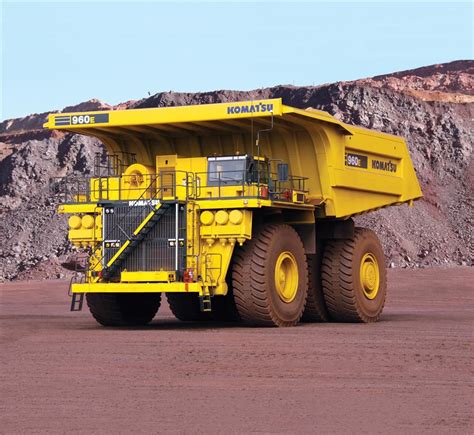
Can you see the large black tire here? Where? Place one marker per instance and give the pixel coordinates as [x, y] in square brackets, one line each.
[315, 310]
[123, 309]
[185, 307]
[262, 296]
[224, 309]
[353, 290]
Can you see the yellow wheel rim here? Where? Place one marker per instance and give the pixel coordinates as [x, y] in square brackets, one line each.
[286, 277]
[369, 275]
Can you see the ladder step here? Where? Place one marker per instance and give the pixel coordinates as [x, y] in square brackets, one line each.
[77, 301]
[205, 303]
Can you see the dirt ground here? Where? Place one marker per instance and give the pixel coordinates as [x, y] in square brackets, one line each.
[412, 372]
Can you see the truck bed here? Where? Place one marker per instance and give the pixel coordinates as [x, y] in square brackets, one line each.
[350, 170]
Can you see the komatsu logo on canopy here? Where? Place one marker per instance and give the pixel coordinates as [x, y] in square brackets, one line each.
[250, 108]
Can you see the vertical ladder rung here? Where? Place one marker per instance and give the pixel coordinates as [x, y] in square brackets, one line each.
[77, 301]
[205, 303]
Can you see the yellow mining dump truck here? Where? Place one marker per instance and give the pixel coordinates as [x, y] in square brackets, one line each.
[237, 211]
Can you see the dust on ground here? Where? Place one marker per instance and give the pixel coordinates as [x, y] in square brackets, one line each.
[411, 372]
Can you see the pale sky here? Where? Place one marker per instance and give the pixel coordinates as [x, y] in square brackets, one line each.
[56, 54]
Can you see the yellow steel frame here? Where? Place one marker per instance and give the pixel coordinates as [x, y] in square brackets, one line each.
[350, 171]
[78, 208]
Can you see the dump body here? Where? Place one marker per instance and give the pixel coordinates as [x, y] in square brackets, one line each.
[350, 170]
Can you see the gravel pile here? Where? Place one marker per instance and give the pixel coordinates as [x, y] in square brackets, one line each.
[30, 230]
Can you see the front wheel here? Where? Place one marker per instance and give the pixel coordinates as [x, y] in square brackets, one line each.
[185, 307]
[354, 278]
[123, 309]
[270, 278]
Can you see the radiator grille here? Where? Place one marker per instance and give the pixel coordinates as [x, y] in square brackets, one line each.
[157, 250]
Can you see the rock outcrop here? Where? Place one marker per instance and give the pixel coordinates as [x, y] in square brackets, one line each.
[432, 107]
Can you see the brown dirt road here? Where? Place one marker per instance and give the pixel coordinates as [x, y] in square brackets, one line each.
[412, 372]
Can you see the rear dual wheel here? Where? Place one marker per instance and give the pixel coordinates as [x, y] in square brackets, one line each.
[315, 310]
[354, 278]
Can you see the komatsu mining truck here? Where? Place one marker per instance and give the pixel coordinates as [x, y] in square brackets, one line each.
[236, 211]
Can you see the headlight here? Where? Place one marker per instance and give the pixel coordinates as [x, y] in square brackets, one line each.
[207, 217]
[88, 221]
[74, 222]
[236, 217]
[222, 217]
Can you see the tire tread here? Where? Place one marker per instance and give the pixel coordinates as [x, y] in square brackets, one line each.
[337, 276]
[249, 279]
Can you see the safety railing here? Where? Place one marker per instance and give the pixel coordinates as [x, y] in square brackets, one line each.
[245, 184]
[177, 184]
[281, 190]
[74, 189]
[108, 165]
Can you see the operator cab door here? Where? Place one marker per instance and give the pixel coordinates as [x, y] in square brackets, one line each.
[166, 170]
[258, 171]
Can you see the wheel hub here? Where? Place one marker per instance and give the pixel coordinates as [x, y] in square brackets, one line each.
[369, 275]
[286, 277]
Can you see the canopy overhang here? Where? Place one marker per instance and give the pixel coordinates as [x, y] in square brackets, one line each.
[205, 119]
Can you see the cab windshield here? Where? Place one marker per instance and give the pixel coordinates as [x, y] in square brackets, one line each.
[226, 171]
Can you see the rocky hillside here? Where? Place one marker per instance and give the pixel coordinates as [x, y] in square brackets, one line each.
[432, 107]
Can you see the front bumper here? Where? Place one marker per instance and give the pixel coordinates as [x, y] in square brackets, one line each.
[139, 287]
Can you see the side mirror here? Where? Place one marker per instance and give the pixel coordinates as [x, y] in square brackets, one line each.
[282, 171]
